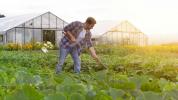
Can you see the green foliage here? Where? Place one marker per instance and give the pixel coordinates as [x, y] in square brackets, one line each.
[171, 95]
[116, 93]
[132, 74]
[76, 96]
[151, 86]
[25, 93]
[102, 96]
[57, 96]
[149, 96]
[1, 47]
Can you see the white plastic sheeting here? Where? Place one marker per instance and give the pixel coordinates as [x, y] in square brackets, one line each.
[30, 27]
[102, 27]
[7, 23]
[118, 32]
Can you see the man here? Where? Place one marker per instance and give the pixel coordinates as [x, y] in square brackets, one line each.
[76, 36]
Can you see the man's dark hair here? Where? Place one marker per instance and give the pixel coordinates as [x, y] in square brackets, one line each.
[91, 20]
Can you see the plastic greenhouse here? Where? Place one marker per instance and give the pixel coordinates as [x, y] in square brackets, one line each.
[123, 34]
[31, 28]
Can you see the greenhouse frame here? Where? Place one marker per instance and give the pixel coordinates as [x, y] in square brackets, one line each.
[31, 28]
[120, 34]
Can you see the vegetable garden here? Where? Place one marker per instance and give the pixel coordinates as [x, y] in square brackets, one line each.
[134, 73]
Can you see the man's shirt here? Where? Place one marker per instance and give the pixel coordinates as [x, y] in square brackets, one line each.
[76, 28]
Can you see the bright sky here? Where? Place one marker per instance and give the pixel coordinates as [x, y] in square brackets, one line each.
[156, 18]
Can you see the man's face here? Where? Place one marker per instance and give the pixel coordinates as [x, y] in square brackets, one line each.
[89, 26]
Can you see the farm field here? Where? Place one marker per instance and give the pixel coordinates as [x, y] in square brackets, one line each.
[134, 73]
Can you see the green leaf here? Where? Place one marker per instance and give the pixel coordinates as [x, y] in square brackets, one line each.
[138, 80]
[125, 85]
[72, 88]
[58, 96]
[151, 86]
[102, 97]
[3, 78]
[76, 96]
[101, 75]
[170, 86]
[90, 95]
[149, 96]
[171, 94]
[26, 93]
[23, 77]
[37, 80]
[116, 93]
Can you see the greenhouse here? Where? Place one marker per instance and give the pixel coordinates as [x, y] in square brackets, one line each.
[31, 28]
[123, 34]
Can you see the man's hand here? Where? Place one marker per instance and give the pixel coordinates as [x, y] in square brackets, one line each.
[72, 40]
[93, 54]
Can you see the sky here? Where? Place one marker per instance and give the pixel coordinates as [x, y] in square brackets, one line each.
[158, 19]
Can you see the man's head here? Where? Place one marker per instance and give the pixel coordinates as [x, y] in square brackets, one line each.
[89, 23]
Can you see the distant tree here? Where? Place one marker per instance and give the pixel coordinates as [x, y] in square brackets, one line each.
[1, 15]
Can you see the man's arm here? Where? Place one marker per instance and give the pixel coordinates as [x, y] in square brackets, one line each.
[70, 36]
[93, 54]
[90, 45]
[69, 29]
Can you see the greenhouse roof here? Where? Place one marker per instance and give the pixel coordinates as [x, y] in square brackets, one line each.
[7, 23]
[102, 27]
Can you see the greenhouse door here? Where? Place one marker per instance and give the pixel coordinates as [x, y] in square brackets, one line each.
[49, 35]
